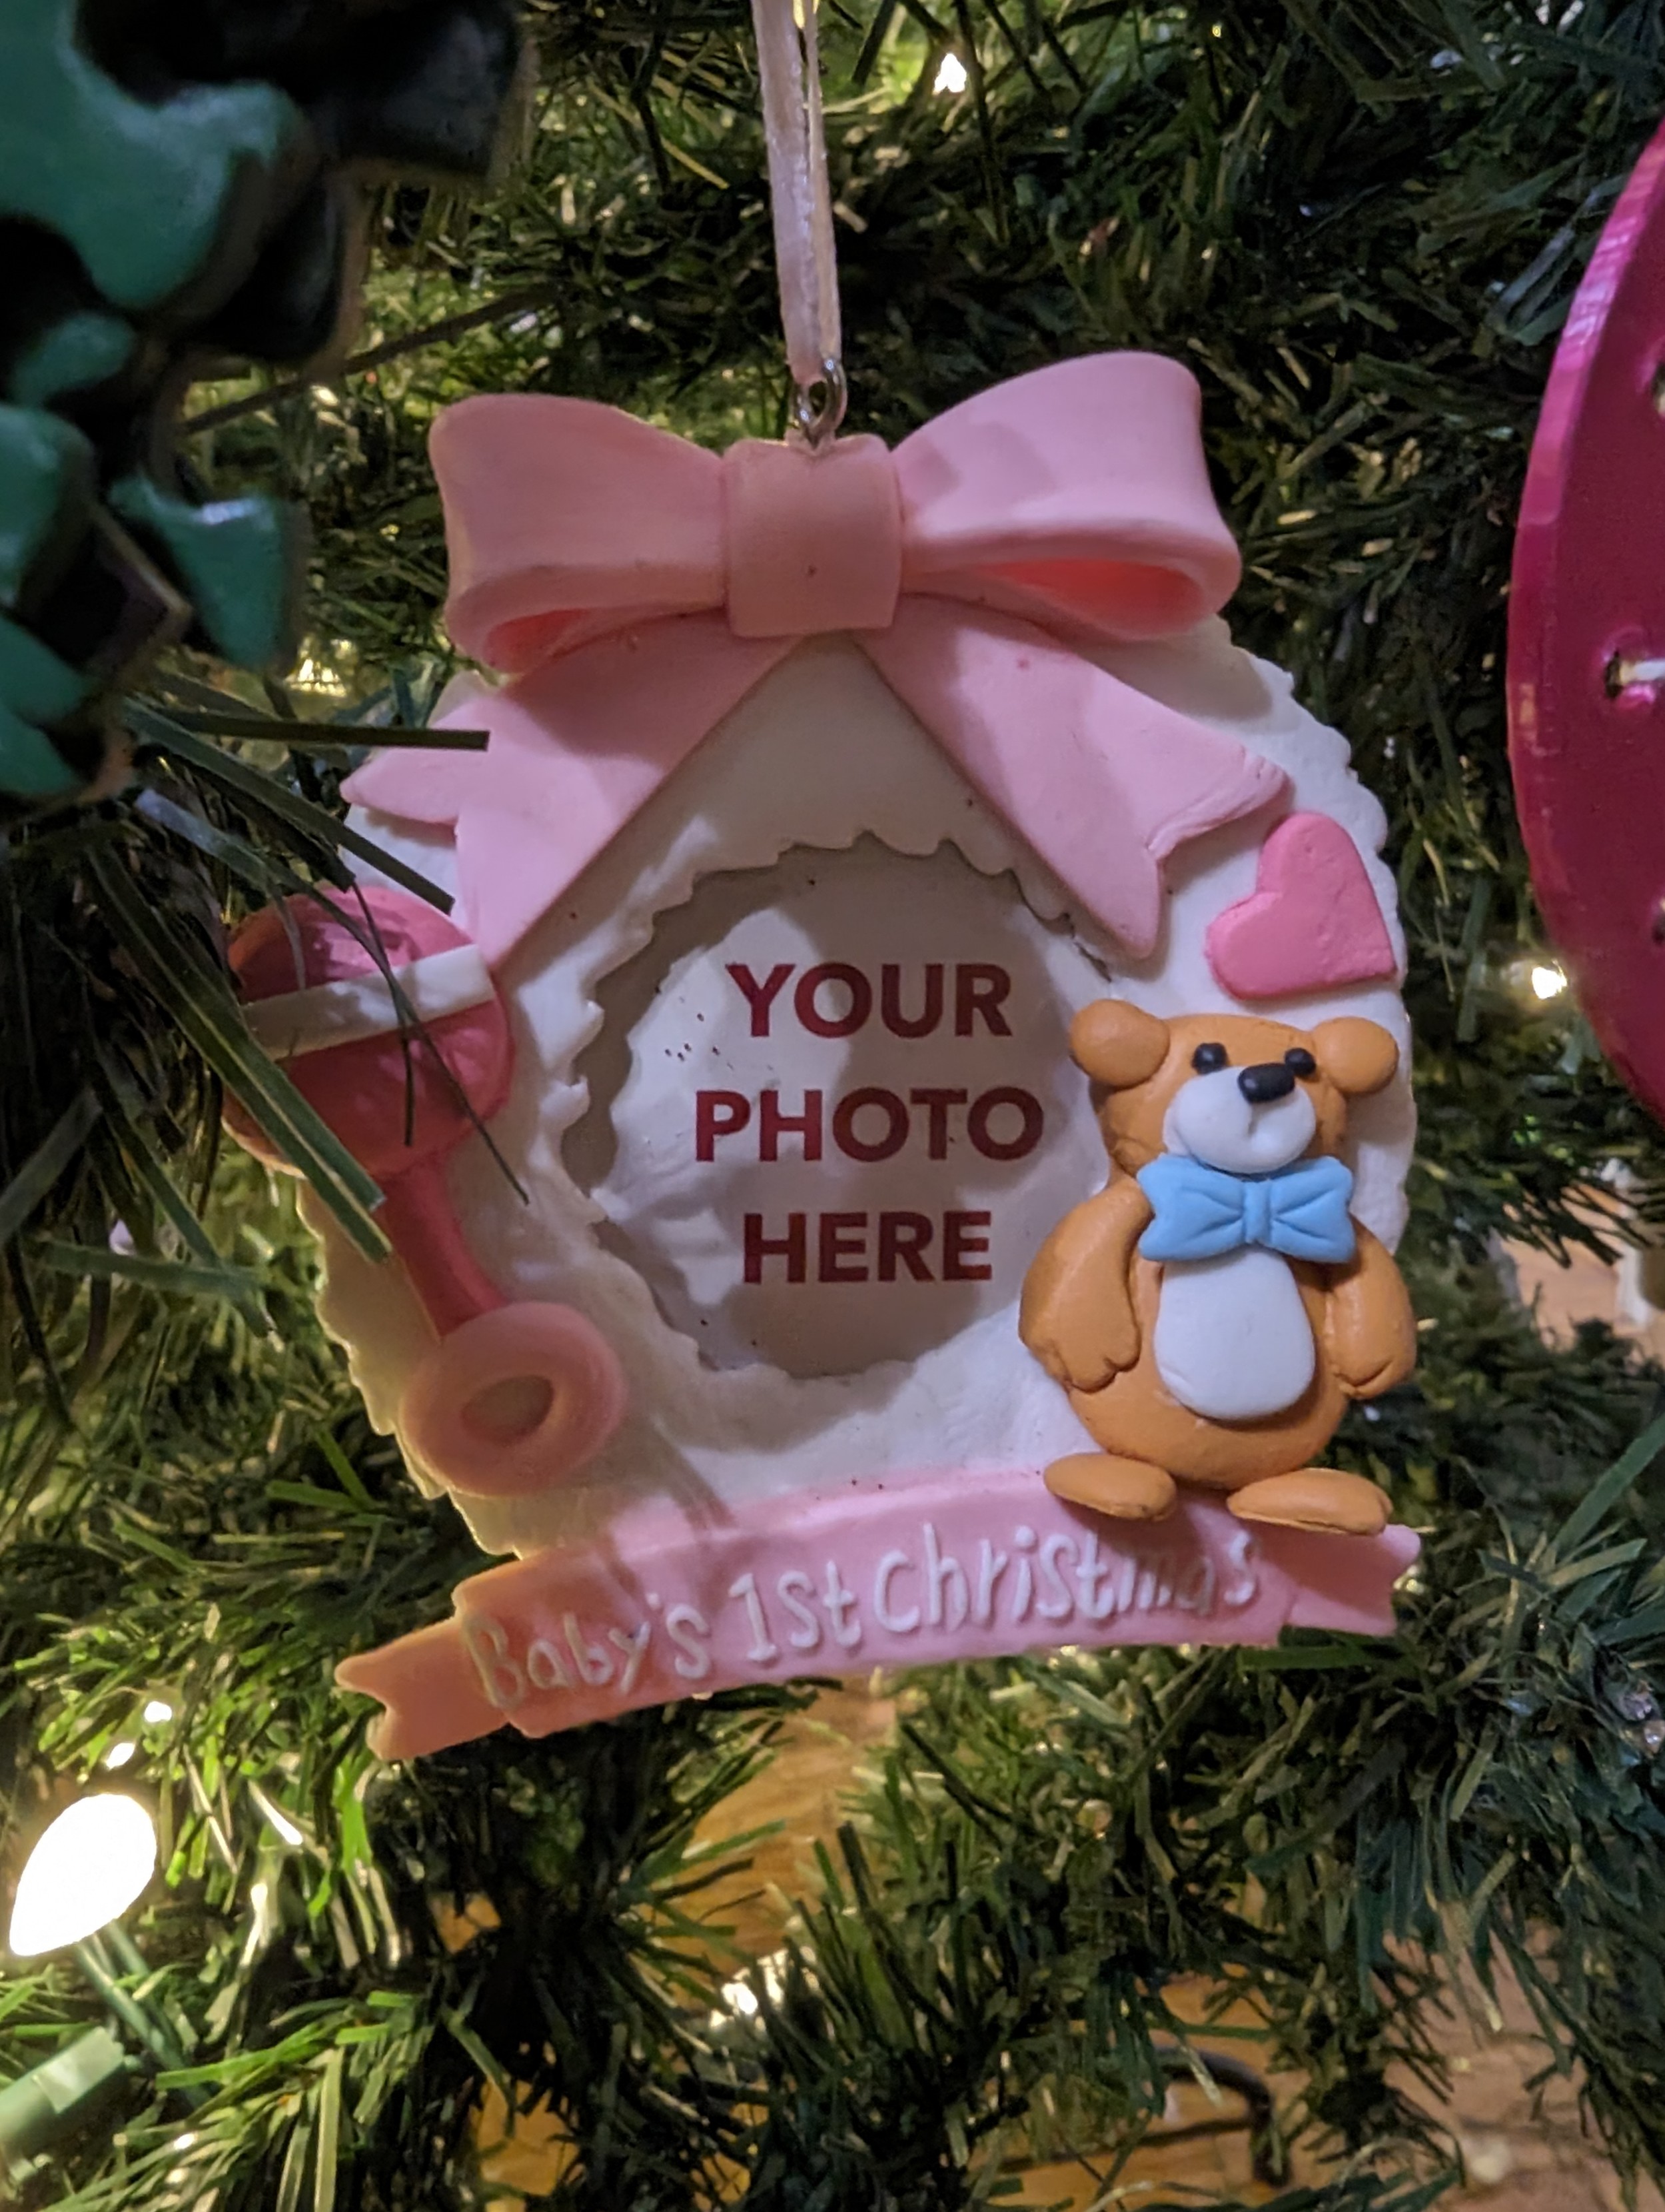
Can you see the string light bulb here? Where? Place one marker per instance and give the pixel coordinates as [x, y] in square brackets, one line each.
[91, 1864]
[951, 76]
[1548, 979]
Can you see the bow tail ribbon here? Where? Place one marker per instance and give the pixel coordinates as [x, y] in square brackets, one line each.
[1105, 780]
[578, 747]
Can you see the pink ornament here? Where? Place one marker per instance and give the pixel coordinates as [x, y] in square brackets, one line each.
[516, 1395]
[639, 587]
[1586, 638]
[1311, 923]
[938, 1567]
[824, 1136]
[398, 1101]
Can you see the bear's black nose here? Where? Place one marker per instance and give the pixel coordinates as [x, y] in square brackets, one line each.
[1270, 1080]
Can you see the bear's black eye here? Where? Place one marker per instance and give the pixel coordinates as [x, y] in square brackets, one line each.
[1301, 1062]
[1208, 1057]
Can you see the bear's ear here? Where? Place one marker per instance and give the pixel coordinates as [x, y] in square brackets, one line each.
[1117, 1044]
[1357, 1056]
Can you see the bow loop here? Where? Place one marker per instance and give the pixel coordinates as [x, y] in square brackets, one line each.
[1078, 494]
[566, 520]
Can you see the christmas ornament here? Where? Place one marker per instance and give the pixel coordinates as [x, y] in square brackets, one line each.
[180, 188]
[829, 785]
[1587, 637]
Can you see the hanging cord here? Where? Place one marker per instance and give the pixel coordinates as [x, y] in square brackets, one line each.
[788, 63]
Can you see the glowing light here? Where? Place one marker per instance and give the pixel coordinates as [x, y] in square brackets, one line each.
[741, 1997]
[1547, 980]
[260, 1927]
[286, 1830]
[951, 76]
[119, 1754]
[157, 1711]
[90, 1865]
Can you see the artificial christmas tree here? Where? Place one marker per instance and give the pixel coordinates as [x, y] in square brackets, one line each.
[1361, 232]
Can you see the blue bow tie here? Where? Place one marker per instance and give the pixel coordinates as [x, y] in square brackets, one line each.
[1201, 1212]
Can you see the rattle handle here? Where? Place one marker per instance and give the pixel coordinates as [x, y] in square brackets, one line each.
[427, 1239]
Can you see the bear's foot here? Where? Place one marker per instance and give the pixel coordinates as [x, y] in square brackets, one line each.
[1126, 1489]
[1321, 1498]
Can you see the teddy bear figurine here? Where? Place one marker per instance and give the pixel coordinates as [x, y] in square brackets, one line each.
[1213, 1309]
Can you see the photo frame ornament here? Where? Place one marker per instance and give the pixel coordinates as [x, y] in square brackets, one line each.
[827, 792]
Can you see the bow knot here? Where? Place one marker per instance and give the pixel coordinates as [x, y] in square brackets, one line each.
[639, 586]
[1200, 1212]
[812, 542]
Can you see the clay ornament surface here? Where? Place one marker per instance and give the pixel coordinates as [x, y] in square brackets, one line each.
[1213, 1309]
[1312, 920]
[950, 1568]
[1586, 638]
[640, 587]
[824, 793]
[393, 1031]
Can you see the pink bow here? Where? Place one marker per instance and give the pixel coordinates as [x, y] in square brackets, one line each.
[638, 587]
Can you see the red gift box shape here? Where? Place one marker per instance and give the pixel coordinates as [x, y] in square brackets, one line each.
[391, 1028]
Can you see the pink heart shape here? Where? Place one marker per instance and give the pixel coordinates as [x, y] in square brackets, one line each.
[1311, 922]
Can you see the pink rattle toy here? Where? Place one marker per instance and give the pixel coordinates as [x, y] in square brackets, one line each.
[514, 1396]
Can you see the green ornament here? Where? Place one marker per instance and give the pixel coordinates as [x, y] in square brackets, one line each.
[153, 236]
[35, 687]
[157, 200]
[241, 560]
[48, 482]
[72, 355]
